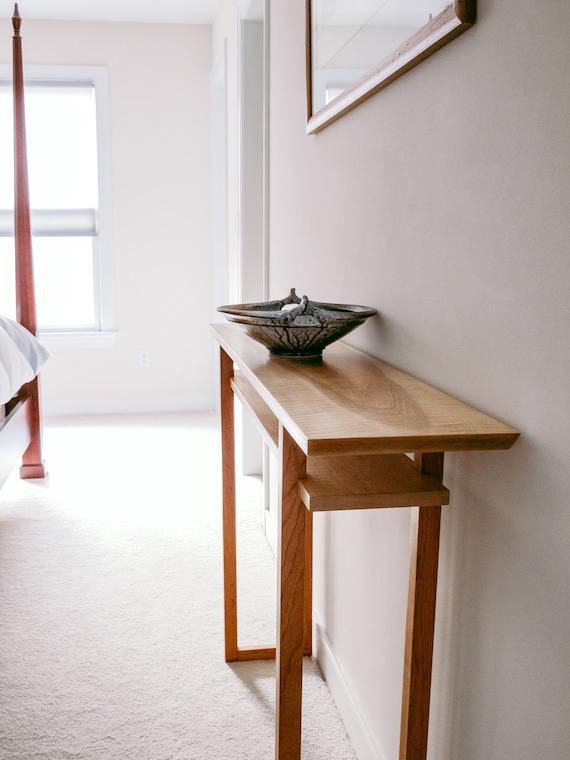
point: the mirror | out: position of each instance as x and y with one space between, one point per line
356 47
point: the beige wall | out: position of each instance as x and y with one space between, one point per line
160 147
444 202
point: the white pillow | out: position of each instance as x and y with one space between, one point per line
21 357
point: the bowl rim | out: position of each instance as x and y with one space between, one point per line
274 309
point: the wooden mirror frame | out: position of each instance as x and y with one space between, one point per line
451 22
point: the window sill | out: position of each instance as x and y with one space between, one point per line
78 340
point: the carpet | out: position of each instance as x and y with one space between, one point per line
111 618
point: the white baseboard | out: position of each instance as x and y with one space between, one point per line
364 745
133 405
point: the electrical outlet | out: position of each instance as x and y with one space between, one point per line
144 358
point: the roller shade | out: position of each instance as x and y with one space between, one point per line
78 222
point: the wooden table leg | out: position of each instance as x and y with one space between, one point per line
424 551
229 506
291 601
308 626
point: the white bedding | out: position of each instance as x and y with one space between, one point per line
21 358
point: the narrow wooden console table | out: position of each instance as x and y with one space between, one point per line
342 431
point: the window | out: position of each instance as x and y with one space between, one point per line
69 178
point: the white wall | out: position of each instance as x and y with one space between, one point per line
444 202
160 145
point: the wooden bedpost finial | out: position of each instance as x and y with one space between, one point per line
16 21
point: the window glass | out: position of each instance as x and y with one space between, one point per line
7 278
66 302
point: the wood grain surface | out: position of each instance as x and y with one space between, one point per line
352 403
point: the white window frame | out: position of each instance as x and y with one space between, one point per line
104 337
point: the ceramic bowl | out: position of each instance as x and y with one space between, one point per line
296 327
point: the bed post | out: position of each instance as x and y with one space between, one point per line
32 461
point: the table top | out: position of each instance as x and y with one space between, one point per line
353 403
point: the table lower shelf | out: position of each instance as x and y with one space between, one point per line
368 482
